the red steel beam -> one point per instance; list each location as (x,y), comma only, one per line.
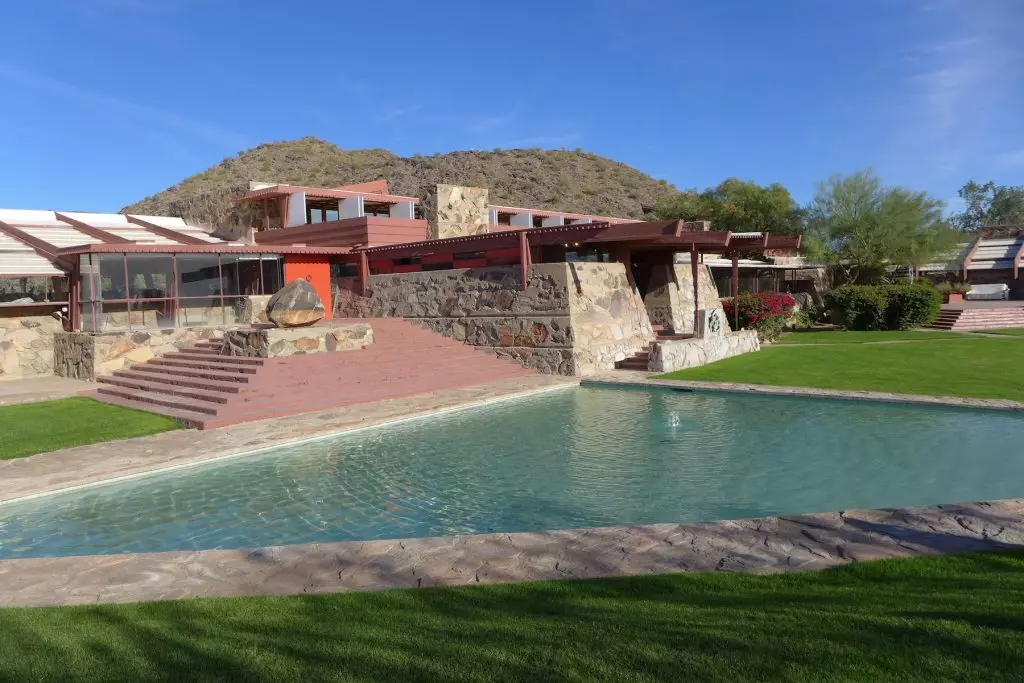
(695,270)
(970,254)
(92,231)
(40,247)
(364,273)
(524,257)
(165,232)
(1016,261)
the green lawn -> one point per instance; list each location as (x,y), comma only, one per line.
(50,425)
(844,337)
(952,618)
(1008,331)
(982,367)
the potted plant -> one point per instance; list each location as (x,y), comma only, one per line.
(953,292)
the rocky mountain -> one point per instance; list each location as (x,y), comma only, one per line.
(574,181)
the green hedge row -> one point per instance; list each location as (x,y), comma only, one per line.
(884,307)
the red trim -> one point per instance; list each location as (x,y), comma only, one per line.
(91,231)
(166,232)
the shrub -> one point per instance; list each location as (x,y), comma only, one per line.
(911,306)
(884,307)
(952,287)
(766,312)
(858,307)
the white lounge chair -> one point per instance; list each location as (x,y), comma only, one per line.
(988,292)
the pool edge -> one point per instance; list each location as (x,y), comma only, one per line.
(1006,405)
(757,545)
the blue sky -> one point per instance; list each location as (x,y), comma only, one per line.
(107,101)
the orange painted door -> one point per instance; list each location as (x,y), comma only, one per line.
(316,270)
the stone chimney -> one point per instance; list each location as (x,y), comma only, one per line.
(455,211)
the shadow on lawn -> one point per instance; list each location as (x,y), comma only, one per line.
(955,618)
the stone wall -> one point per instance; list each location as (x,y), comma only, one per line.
(454,211)
(26,344)
(87,355)
(670,302)
(570,319)
(274,342)
(608,318)
(669,356)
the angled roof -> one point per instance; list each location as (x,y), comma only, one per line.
(37,243)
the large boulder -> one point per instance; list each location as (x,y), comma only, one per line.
(296,304)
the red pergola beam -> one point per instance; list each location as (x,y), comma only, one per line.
(92,231)
(165,232)
(40,247)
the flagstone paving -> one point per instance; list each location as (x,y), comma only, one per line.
(764,545)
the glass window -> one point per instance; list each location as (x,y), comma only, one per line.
(150,276)
(38,289)
(88,278)
(271,265)
(198,275)
(111,282)
(241,274)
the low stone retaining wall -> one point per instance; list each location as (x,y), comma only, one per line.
(274,342)
(26,344)
(87,355)
(669,356)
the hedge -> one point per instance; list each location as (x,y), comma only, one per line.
(884,307)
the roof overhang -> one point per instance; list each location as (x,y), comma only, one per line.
(284,190)
(200,249)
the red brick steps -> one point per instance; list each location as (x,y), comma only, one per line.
(979,318)
(201,388)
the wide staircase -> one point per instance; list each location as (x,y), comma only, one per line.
(639,360)
(202,388)
(967,319)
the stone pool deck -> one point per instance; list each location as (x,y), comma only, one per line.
(72,468)
(763,545)
(644,379)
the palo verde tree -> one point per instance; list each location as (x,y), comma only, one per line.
(990,205)
(738,206)
(864,230)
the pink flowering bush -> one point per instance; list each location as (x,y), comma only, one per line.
(766,312)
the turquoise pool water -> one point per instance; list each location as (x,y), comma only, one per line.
(579,457)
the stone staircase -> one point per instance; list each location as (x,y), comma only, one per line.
(202,388)
(965,320)
(639,360)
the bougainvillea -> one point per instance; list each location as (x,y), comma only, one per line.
(766,312)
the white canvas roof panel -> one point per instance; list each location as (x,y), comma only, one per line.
(19,259)
(27,217)
(60,235)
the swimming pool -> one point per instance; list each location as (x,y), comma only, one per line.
(587,456)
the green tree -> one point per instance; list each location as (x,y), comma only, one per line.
(864,229)
(989,205)
(738,206)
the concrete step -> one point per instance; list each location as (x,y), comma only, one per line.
(165,388)
(190,405)
(141,373)
(194,373)
(186,417)
(190,355)
(204,364)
